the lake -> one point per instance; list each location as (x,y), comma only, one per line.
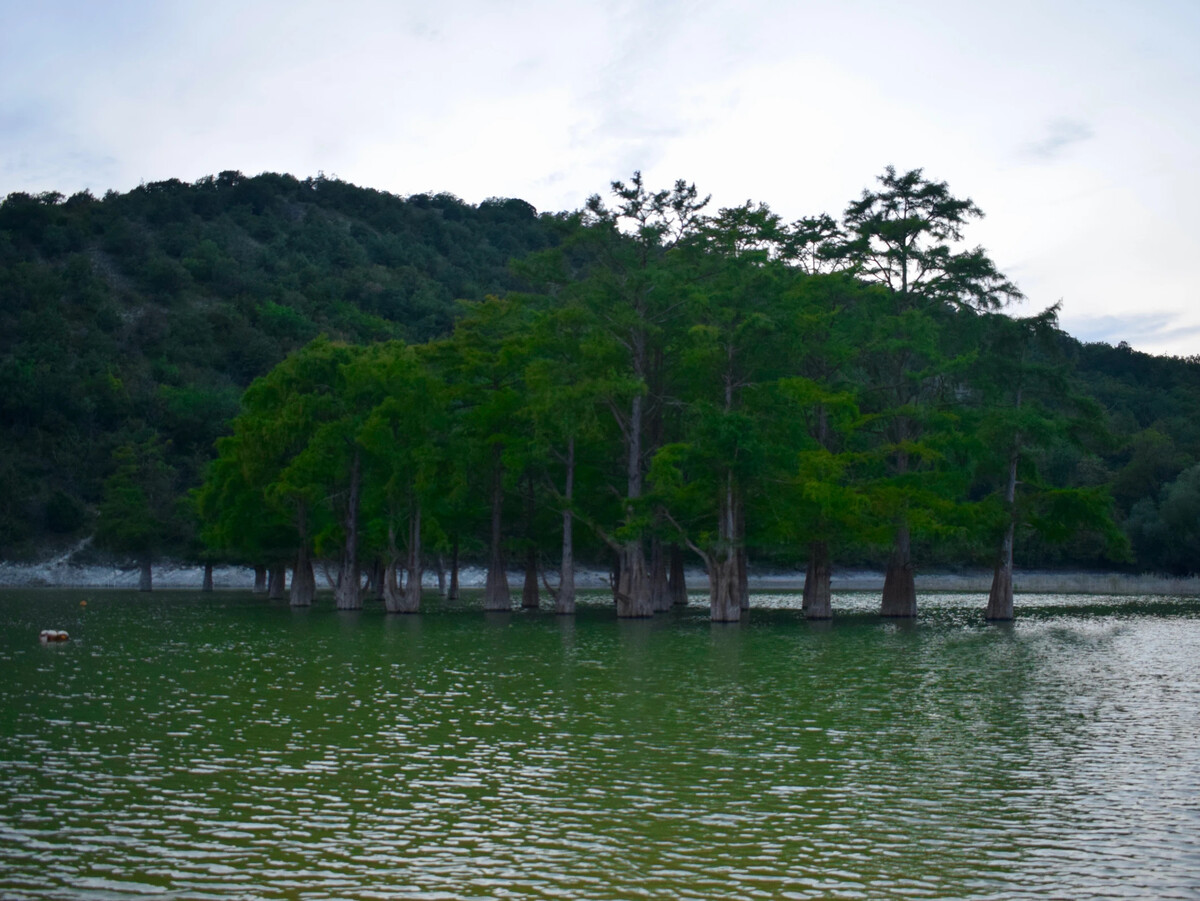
(223,746)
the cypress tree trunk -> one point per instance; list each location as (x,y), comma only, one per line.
(146,576)
(724,572)
(743,557)
(348,594)
(452,590)
(393,599)
(660,588)
(206,585)
(496,595)
(412,588)
(564,601)
(277,582)
(441,575)
(260,580)
(899,588)
(375,579)
(676,578)
(633,585)
(530,596)
(304,582)
(724,604)
(1000,598)
(818,603)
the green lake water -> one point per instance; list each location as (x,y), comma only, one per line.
(222,746)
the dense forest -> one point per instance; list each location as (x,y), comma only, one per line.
(271,370)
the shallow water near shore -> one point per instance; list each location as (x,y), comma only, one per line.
(222,746)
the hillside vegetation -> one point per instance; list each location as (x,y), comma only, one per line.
(137,320)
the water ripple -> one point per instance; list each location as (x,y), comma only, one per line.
(224,747)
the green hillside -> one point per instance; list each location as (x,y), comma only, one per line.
(141,317)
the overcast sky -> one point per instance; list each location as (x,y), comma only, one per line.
(1074,125)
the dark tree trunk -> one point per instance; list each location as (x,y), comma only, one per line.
(818,600)
(412,588)
(725,593)
(564,600)
(1000,599)
(743,558)
(633,583)
(899,587)
(304,582)
(348,594)
(146,575)
(724,604)
(206,584)
(677,580)
(375,579)
(260,580)
(660,588)
(452,590)
(441,575)
(531,598)
(393,597)
(277,582)
(496,594)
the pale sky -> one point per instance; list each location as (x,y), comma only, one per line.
(1075,126)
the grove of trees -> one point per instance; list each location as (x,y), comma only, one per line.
(279,371)
(675,381)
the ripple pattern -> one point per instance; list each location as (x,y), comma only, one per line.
(223,747)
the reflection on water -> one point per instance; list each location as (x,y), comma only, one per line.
(226,747)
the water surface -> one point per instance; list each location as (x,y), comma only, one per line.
(223,746)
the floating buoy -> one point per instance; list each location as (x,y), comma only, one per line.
(49,635)
(83,603)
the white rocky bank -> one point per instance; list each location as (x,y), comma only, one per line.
(61,572)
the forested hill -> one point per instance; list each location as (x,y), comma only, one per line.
(141,317)
(131,324)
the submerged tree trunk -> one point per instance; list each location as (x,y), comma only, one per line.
(206,584)
(374,587)
(348,594)
(393,597)
(452,589)
(633,583)
(724,602)
(564,600)
(1000,598)
(725,582)
(743,557)
(818,602)
(676,579)
(146,576)
(899,587)
(260,580)
(412,587)
(496,594)
(277,582)
(660,588)
(304,582)
(531,597)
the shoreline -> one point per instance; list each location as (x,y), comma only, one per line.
(58,573)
